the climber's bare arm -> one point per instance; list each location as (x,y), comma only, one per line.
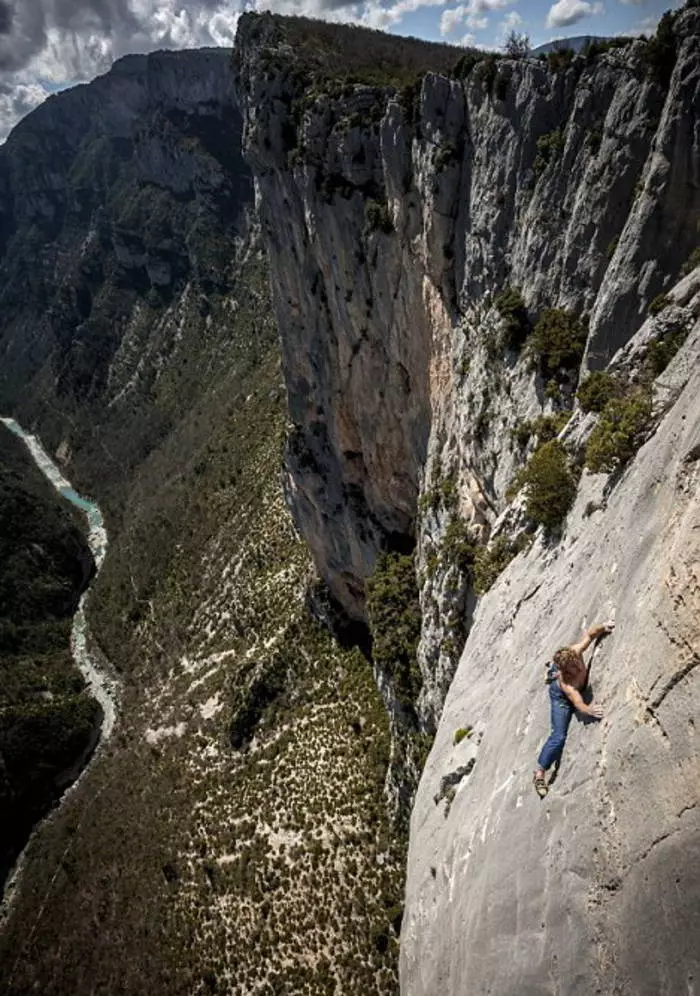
(575,698)
(589,636)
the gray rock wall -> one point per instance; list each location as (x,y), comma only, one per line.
(392,221)
(596,889)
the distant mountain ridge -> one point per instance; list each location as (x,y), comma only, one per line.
(576,44)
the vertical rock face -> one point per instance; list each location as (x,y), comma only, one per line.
(596,888)
(392,218)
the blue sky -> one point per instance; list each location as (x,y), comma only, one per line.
(485,23)
(46,45)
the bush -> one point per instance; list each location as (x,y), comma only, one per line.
(464,65)
(517,46)
(595,392)
(446,155)
(551,487)
(560,58)
(660,353)
(620,431)
(492,561)
(511,307)
(660,302)
(558,341)
(394,616)
(548,147)
(691,262)
(544,427)
(461,733)
(659,53)
(458,547)
(378,217)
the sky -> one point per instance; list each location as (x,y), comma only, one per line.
(46,45)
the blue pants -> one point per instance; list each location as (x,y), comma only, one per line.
(562,711)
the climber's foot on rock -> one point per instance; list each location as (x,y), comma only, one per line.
(540,784)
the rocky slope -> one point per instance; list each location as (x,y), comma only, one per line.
(232,834)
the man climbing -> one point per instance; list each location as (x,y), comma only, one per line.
(568,678)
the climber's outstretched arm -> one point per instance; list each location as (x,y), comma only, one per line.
(576,699)
(590,635)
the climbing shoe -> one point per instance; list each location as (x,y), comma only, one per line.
(540,785)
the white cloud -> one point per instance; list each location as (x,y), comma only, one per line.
(472,14)
(566,12)
(511,21)
(376,16)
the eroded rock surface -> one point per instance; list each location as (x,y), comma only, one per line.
(595,889)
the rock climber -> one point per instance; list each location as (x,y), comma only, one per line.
(568,677)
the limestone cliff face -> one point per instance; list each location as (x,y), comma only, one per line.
(393,218)
(595,889)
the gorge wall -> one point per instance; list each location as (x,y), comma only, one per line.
(396,215)
(422,216)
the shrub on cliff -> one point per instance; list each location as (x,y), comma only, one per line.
(551,486)
(378,217)
(620,431)
(691,262)
(659,53)
(548,147)
(394,616)
(491,561)
(660,302)
(558,341)
(595,392)
(511,307)
(660,352)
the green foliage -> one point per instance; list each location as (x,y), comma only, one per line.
(548,146)
(620,431)
(560,59)
(446,155)
(517,45)
(597,389)
(464,65)
(551,486)
(350,54)
(659,53)
(660,352)
(511,307)
(691,262)
(599,46)
(458,546)
(461,733)
(46,720)
(442,494)
(487,70)
(394,616)
(544,428)
(660,302)
(558,341)
(492,560)
(378,217)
